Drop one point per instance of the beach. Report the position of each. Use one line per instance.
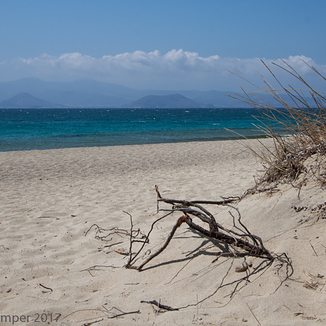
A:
(52, 264)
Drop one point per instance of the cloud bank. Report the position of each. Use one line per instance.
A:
(177, 69)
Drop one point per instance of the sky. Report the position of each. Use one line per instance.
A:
(163, 44)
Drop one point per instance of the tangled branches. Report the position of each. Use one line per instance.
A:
(245, 243)
(240, 243)
(236, 242)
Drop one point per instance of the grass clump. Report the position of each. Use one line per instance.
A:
(296, 122)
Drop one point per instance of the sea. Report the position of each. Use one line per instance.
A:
(30, 129)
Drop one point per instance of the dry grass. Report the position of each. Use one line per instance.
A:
(297, 127)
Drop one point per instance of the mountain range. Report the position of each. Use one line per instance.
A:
(36, 93)
(94, 94)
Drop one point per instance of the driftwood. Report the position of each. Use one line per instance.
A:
(238, 242)
(246, 243)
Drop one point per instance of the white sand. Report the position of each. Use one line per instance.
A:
(50, 198)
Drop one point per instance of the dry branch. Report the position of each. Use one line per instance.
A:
(179, 222)
(246, 243)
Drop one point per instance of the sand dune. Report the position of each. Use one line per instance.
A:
(50, 198)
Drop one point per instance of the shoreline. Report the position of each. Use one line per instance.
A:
(200, 140)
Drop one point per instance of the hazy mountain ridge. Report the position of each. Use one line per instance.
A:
(25, 100)
(175, 101)
(90, 93)
(87, 93)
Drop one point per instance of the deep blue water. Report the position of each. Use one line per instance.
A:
(26, 129)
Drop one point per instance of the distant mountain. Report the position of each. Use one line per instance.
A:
(25, 100)
(77, 94)
(86, 93)
(162, 102)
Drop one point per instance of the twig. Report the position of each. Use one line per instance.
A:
(129, 264)
(161, 306)
(106, 311)
(95, 267)
(112, 244)
(57, 218)
(130, 239)
(125, 313)
(313, 248)
(253, 314)
(5, 248)
(93, 322)
(45, 287)
(179, 271)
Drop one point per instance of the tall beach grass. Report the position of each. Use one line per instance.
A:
(297, 126)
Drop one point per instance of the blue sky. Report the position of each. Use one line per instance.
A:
(159, 44)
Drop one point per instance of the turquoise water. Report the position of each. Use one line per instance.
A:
(27, 129)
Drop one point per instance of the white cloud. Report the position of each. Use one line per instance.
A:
(176, 69)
